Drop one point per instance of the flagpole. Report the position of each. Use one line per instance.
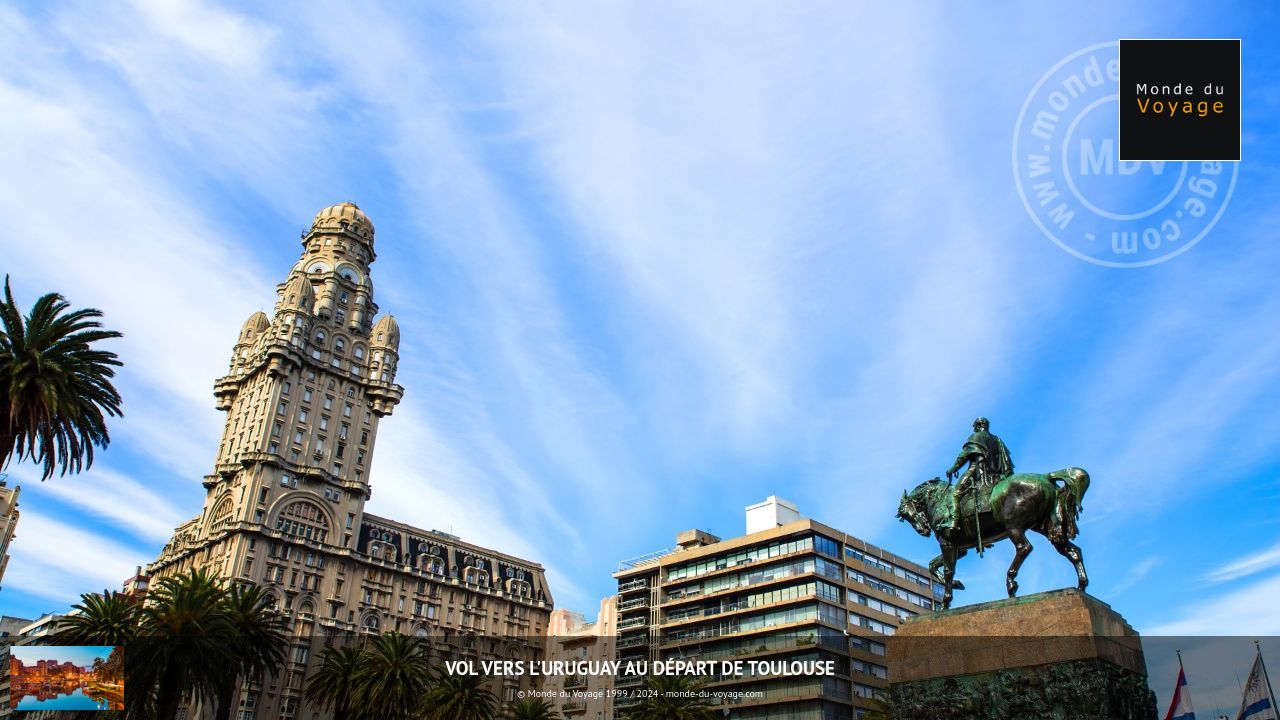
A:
(1266, 678)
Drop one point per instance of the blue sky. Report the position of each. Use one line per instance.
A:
(81, 655)
(653, 262)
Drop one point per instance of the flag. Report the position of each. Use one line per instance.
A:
(1180, 708)
(1258, 704)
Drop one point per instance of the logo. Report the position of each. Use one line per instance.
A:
(1073, 184)
(1180, 100)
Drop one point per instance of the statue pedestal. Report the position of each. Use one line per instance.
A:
(1060, 655)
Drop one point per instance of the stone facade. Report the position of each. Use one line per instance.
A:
(284, 508)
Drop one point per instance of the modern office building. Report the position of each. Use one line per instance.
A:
(571, 637)
(8, 520)
(790, 589)
(307, 389)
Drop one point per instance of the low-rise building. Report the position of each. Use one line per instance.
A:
(571, 637)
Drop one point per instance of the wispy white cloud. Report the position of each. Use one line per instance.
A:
(112, 496)
(1260, 561)
(1250, 610)
(1139, 572)
(59, 561)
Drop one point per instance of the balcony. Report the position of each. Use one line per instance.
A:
(640, 602)
(636, 641)
(575, 681)
(573, 707)
(641, 584)
(633, 623)
(629, 681)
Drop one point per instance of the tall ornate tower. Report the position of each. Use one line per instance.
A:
(304, 395)
(285, 505)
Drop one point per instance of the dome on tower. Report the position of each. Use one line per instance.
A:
(298, 294)
(386, 333)
(252, 327)
(344, 216)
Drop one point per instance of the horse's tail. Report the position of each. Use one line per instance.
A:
(1075, 482)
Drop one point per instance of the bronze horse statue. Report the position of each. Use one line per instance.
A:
(1021, 502)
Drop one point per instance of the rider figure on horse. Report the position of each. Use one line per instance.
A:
(989, 462)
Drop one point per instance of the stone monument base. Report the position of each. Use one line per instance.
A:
(1060, 655)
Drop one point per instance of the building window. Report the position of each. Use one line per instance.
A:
(324, 423)
(276, 429)
(286, 388)
(303, 415)
(306, 395)
(262, 496)
(338, 345)
(328, 402)
(303, 519)
(221, 516)
(280, 408)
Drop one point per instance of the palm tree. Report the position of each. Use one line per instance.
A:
(673, 697)
(110, 618)
(259, 640)
(331, 686)
(530, 709)
(394, 675)
(182, 643)
(55, 387)
(459, 697)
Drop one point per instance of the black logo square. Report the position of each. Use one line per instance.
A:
(1179, 100)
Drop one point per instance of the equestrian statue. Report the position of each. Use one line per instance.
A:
(991, 503)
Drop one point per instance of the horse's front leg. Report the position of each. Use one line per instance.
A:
(1069, 550)
(1022, 549)
(935, 569)
(948, 572)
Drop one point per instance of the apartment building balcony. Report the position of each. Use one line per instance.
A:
(634, 604)
(573, 707)
(633, 623)
(634, 585)
(634, 641)
(628, 681)
(575, 681)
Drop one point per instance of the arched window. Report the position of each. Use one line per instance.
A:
(306, 607)
(358, 351)
(305, 520)
(371, 622)
(221, 516)
(320, 338)
(339, 346)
